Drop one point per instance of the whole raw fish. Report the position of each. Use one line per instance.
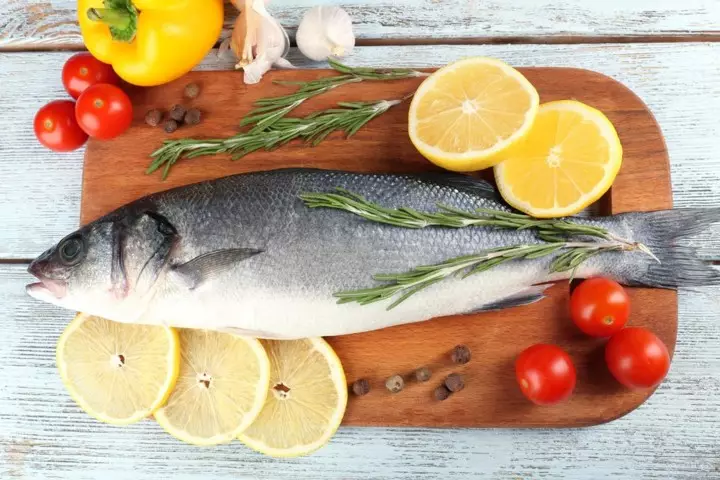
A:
(244, 254)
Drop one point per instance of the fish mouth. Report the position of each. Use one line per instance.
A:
(46, 287)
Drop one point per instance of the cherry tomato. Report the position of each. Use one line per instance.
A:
(83, 70)
(599, 307)
(545, 373)
(56, 128)
(637, 358)
(103, 111)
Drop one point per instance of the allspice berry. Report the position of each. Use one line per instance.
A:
(395, 383)
(361, 387)
(441, 393)
(460, 354)
(170, 126)
(153, 117)
(422, 374)
(454, 382)
(192, 90)
(192, 116)
(177, 113)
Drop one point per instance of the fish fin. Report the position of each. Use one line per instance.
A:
(668, 225)
(674, 265)
(193, 272)
(465, 183)
(678, 267)
(251, 333)
(523, 297)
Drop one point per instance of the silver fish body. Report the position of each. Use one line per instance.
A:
(244, 254)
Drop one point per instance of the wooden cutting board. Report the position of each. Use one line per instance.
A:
(114, 175)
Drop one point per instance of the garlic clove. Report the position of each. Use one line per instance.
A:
(325, 31)
(224, 50)
(258, 40)
(244, 34)
(254, 72)
(283, 63)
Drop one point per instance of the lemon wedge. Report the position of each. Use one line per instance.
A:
(466, 114)
(306, 402)
(220, 390)
(118, 373)
(568, 161)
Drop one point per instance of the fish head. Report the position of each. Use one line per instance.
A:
(76, 272)
(106, 267)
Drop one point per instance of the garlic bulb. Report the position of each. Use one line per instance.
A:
(258, 41)
(325, 31)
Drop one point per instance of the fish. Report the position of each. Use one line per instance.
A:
(244, 254)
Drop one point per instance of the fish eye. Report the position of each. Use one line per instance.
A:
(71, 250)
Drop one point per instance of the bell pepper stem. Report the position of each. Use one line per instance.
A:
(112, 17)
(120, 16)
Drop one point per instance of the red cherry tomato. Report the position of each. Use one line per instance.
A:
(637, 358)
(83, 70)
(103, 111)
(599, 307)
(545, 373)
(56, 128)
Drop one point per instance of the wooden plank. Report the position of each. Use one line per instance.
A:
(40, 193)
(44, 435)
(43, 24)
(114, 174)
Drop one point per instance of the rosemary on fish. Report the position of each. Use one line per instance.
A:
(270, 110)
(403, 285)
(348, 117)
(550, 230)
(555, 234)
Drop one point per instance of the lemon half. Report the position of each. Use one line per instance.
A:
(569, 160)
(306, 401)
(466, 114)
(118, 373)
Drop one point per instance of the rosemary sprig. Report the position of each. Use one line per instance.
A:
(404, 285)
(553, 232)
(549, 230)
(349, 117)
(270, 110)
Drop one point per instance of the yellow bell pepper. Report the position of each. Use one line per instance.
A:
(150, 42)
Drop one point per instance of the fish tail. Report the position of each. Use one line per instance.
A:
(675, 265)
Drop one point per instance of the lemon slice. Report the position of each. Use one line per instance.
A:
(118, 373)
(465, 115)
(307, 399)
(221, 388)
(568, 161)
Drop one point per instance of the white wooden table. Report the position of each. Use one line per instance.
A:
(665, 50)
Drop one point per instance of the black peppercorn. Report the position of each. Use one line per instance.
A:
(153, 117)
(460, 354)
(454, 382)
(395, 383)
(177, 113)
(192, 90)
(422, 374)
(170, 126)
(441, 393)
(192, 117)
(360, 387)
